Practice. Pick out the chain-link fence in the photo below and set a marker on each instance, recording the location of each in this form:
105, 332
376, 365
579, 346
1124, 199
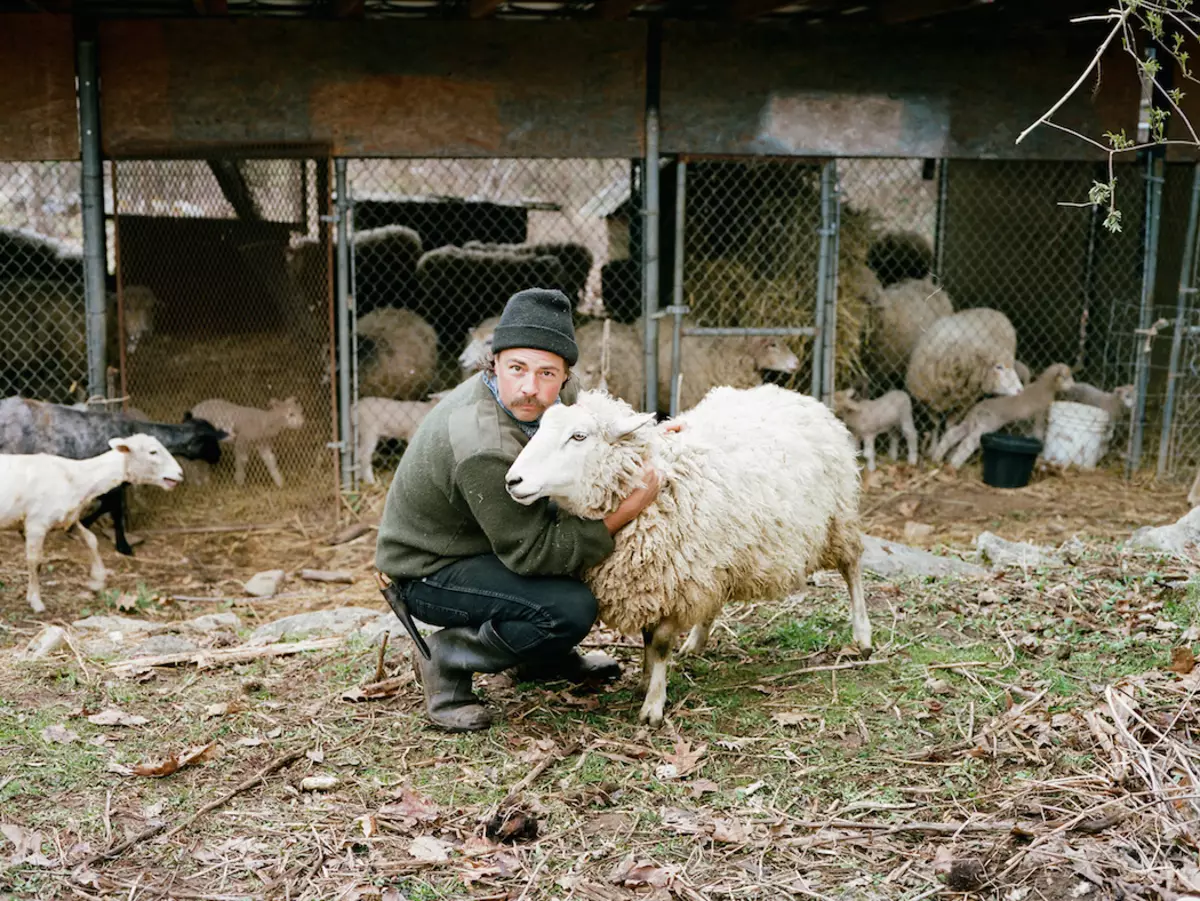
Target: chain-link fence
43, 341
223, 288
440, 245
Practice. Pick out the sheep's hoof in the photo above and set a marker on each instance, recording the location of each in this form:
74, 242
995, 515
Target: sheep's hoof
96, 585
37, 605
651, 716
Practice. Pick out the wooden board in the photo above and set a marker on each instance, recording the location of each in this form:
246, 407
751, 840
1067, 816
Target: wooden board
37, 88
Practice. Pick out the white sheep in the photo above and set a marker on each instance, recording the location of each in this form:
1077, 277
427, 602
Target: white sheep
610, 357
997, 412
478, 347
382, 417
251, 428
397, 354
41, 492
759, 489
889, 414
900, 315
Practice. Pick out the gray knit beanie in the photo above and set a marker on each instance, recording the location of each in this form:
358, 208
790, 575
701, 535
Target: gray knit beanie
539, 318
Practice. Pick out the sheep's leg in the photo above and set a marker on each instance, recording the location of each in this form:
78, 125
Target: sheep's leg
1193, 496
910, 437
366, 452
966, 447
951, 437
241, 454
894, 444
869, 451
35, 537
268, 457
697, 639
850, 566
99, 574
658, 654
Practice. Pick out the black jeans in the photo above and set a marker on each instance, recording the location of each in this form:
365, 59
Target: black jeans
531, 615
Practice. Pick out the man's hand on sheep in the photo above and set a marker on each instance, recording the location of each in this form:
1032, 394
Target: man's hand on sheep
637, 501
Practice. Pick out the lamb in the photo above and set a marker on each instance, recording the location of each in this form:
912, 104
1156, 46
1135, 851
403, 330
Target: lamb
962, 356
901, 314
479, 345
758, 489
251, 428
888, 414
41, 492
382, 417
34, 427
397, 354
996, 412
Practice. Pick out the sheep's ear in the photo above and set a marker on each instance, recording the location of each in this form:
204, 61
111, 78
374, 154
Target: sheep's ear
627, 425
119, 444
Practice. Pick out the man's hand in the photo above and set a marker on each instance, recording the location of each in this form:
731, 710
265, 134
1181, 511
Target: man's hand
674, 427
637, 501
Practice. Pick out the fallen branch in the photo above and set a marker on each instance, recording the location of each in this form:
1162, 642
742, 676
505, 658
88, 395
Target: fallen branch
327, 575
927, 828
541, 767
275, 765
351, 532
209, 658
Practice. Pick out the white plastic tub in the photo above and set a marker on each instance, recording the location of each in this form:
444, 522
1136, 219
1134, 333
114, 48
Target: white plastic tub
1075, 434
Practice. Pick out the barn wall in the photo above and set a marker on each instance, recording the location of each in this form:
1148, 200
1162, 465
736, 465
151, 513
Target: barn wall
896, 92
37, 88
397, 88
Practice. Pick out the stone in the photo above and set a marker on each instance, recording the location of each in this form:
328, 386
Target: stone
46, 642
1177, 538
212, 622
1001, 553
319, 624
265, 584
162, 644
388, 622
890, 558
118, 626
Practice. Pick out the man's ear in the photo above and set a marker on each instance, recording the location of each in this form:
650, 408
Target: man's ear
627, 425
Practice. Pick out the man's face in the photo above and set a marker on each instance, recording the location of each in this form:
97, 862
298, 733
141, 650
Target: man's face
529, 380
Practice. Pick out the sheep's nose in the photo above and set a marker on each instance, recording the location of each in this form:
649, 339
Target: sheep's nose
512, 481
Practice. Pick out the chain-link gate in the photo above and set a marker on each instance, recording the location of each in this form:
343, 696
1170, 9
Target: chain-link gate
223, 290
43, 336
437, 247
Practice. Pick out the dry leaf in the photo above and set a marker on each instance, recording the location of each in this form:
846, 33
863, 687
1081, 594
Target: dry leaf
730, 832
391, 893
316, 755
318, 783
989, 596
368, 824
249, 742
426, 847
917, 532
114, 717
684, 759
908, 508
411, 808
703, 786
187, 757
791, 717
29, 846
685, 822
215, 710
938, 686
643, 872
512, 826
943, 859
59, 734
1183, 661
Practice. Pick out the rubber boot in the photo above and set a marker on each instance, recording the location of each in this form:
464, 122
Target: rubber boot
572, 666
458, 653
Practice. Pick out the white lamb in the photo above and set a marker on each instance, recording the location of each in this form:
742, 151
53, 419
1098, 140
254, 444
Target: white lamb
759, 489
889, 414
382, 417
41, 492
251, 428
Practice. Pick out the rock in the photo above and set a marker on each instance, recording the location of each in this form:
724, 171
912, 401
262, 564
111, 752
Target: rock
917, 532
388, 622
46, 642
265, 584
1176, 538
318, 783
212, 622
890, 558
1001, 553
117, 627
162, 644
314, 625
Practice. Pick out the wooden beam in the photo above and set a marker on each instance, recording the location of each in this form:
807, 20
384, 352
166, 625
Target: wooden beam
481, 9
211, 7
347, 9
614, 10
752, 9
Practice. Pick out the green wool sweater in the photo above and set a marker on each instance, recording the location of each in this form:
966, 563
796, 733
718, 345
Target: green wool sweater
447, 500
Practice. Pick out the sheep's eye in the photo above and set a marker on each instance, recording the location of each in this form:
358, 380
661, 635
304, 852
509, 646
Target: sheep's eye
579, 436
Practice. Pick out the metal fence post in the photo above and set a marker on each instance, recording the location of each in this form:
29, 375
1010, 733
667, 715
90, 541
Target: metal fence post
678, 308
345, 301
1154, 185
1187, 281
831, 221
939, 226
650, 235
92, 198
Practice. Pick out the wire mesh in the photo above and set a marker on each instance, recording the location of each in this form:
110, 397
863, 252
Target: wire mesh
438, 248
223, 279
43, 339
982, 264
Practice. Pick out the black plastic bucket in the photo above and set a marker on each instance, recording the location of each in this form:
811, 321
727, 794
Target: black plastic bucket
1008, 459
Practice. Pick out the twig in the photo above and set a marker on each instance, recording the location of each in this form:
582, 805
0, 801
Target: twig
327, 575
275, 765
198, 530
537, 771
928, 828
854, 664
379, 670
208, 658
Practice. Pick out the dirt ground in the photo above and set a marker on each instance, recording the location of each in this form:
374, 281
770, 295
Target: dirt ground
1028, 736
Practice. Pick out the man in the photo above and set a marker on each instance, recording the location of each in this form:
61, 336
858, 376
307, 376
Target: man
501, 578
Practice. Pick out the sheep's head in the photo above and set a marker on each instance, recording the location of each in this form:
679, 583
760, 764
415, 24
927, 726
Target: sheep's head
1059, 375
844, 402
147, 462
772, 354
585, 456
1001, 380
204, 440
293, 415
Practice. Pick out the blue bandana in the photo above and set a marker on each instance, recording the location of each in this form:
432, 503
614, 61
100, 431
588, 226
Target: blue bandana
529, 428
